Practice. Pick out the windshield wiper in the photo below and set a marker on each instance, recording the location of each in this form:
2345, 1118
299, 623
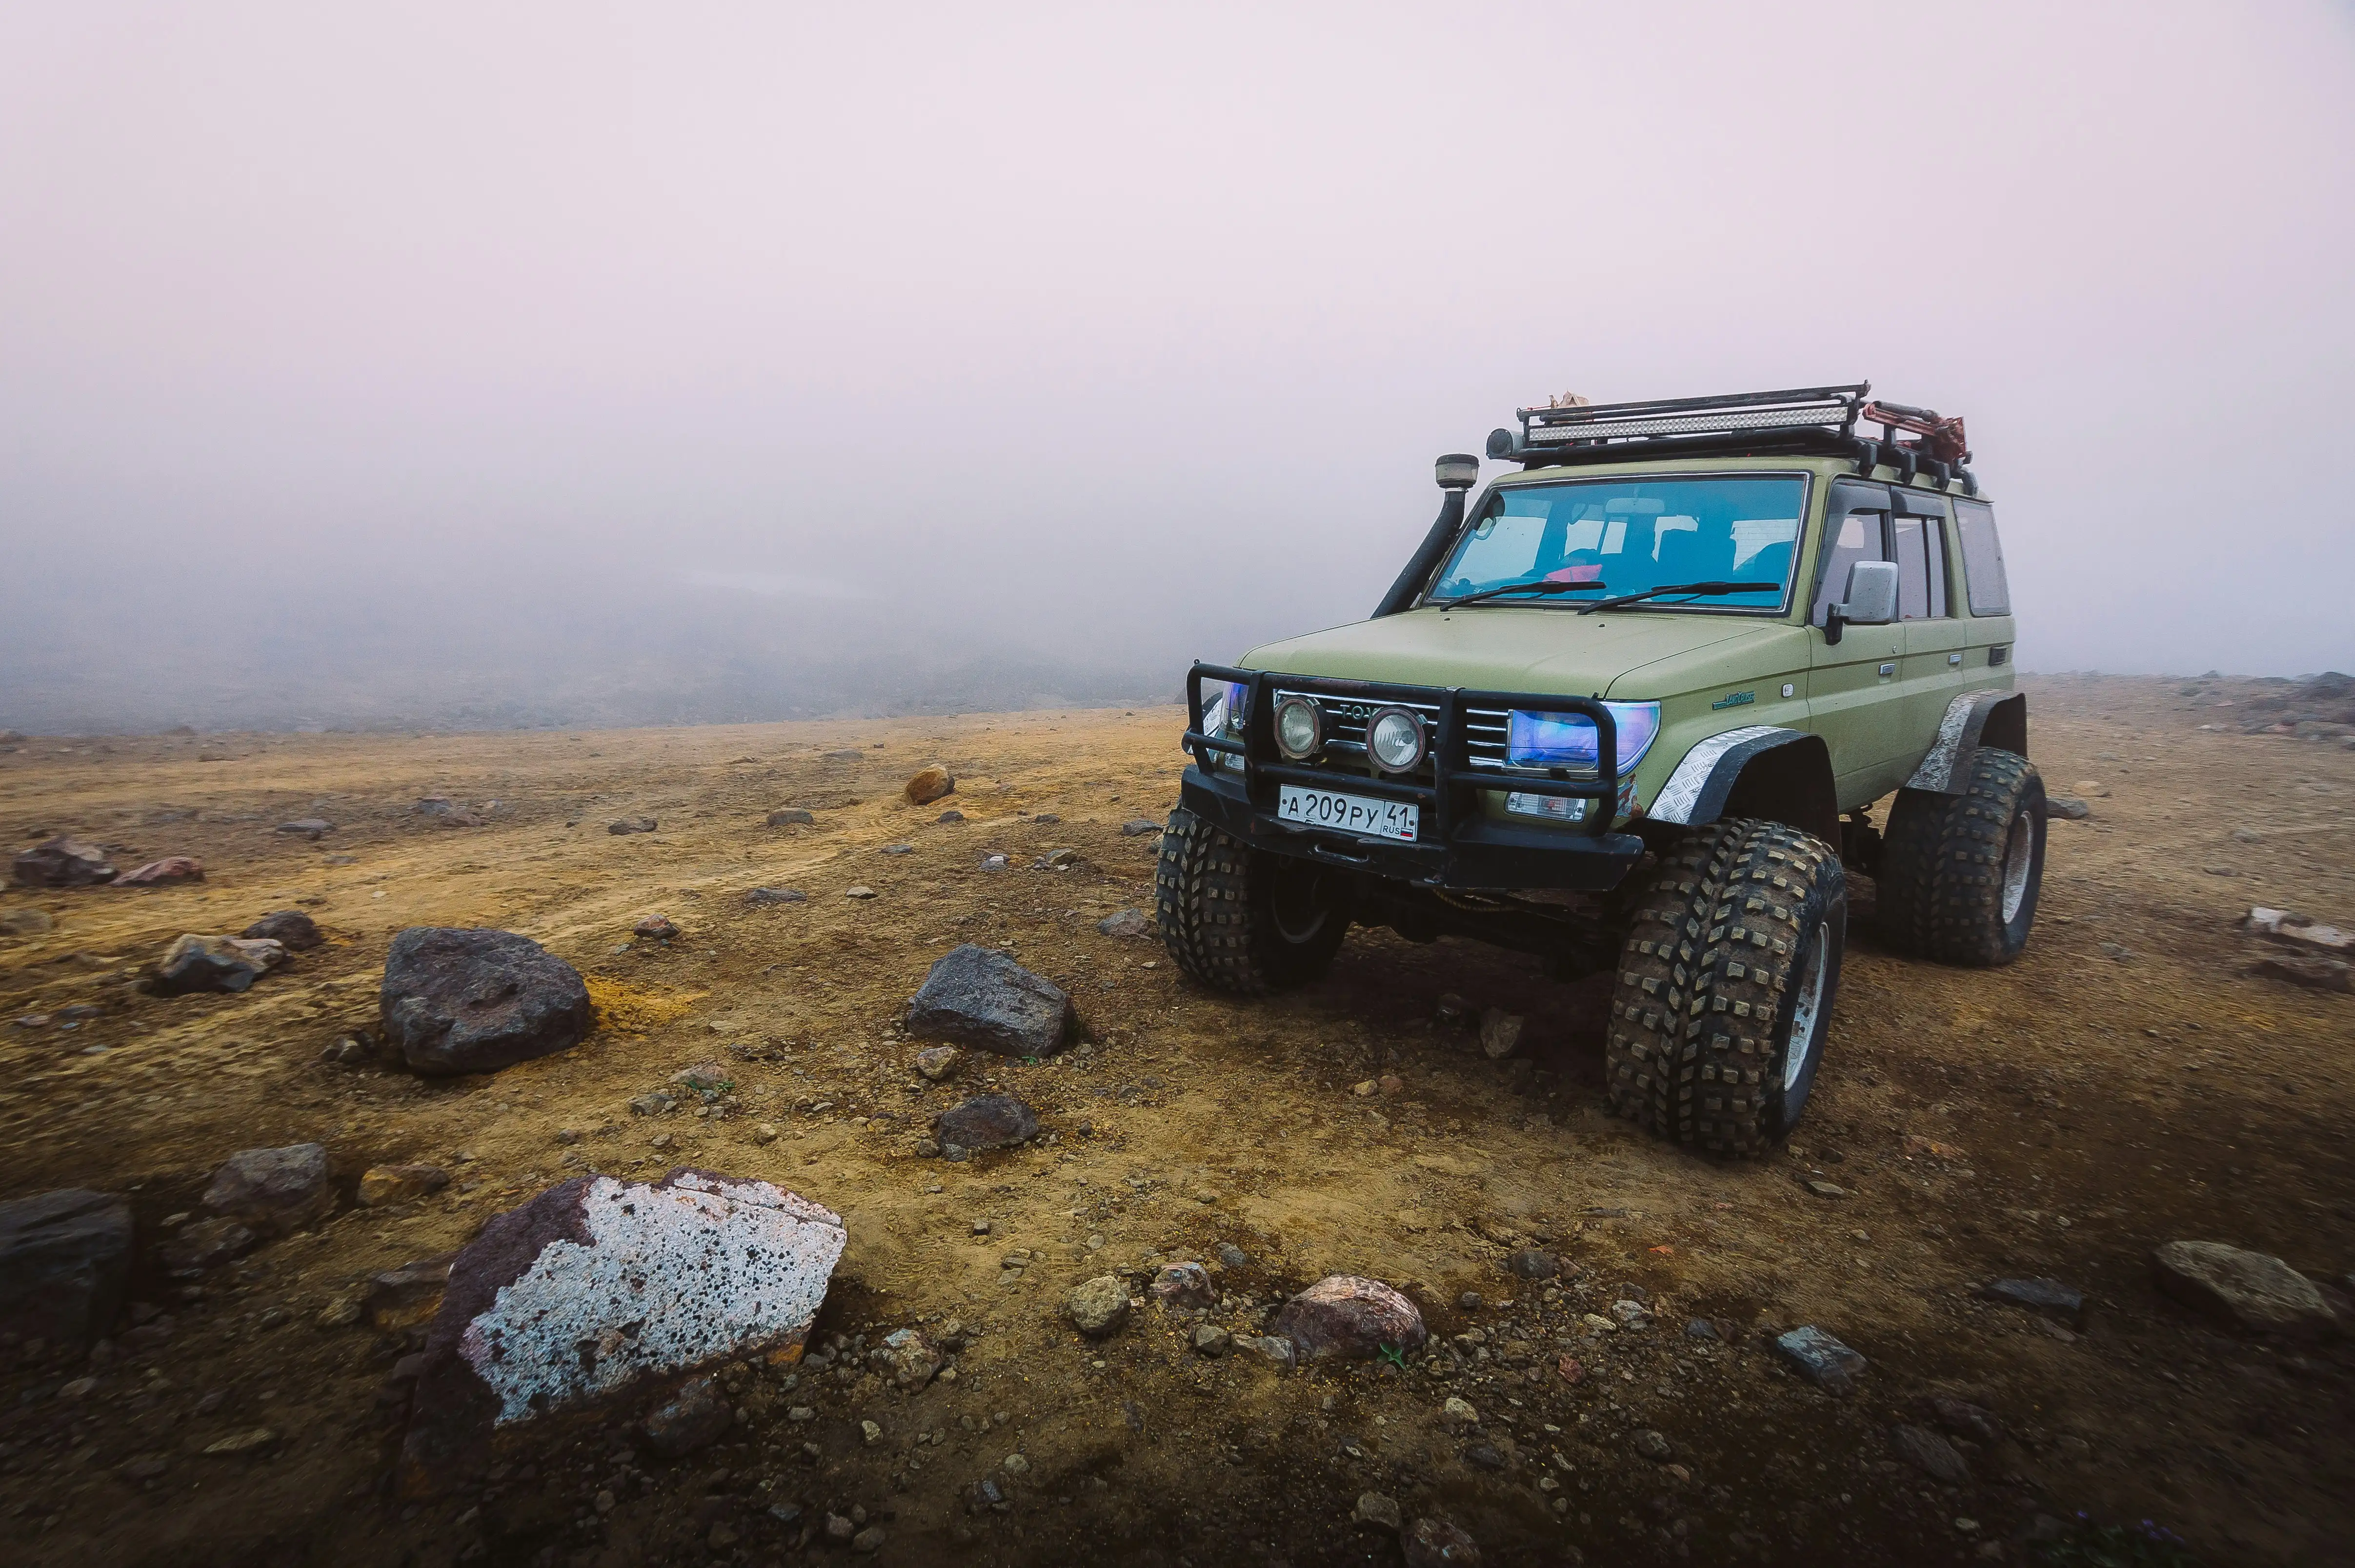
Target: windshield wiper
1696, 589
1541, 586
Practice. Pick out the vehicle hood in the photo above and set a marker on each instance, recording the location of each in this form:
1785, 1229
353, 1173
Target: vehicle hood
1556, 651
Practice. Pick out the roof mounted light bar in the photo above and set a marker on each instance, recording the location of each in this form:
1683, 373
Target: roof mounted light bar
1820, 420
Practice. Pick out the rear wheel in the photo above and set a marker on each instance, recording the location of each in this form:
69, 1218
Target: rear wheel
1960, 873
1726, 986
1241, 919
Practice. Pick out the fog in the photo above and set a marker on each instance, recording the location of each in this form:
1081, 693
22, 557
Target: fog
452, 364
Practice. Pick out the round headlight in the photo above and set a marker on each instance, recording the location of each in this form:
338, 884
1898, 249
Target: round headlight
1299, 728
1394, 737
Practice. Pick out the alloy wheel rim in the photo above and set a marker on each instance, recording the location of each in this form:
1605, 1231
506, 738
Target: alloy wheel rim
1806, 1012
2019, 852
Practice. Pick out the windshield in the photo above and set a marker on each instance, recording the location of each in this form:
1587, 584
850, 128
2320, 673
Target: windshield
1632, 535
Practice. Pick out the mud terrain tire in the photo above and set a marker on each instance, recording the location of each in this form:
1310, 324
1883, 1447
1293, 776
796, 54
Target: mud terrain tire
1960, 873
1726, 986
1239, 920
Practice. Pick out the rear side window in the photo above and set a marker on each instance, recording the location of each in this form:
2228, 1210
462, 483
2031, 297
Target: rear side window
1921, 568
1982, 558
1856, 537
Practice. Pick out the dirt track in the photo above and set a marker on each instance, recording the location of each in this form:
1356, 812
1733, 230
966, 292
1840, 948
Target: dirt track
2086, 1105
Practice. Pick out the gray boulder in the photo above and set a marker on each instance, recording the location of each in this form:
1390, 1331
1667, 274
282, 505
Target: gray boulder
290, 928
2250, 1290
195, 963
1343, 1318
986, 1121
65, 1260
474, 1001
273, 1190
64, 862
979, 997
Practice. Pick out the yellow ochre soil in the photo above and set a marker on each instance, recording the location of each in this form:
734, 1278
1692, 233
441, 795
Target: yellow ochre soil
2087, 1104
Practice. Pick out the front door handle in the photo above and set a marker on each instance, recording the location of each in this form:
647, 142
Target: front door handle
1954, 658
1889, 669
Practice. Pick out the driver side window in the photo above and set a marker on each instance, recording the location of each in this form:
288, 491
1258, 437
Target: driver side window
1860, 536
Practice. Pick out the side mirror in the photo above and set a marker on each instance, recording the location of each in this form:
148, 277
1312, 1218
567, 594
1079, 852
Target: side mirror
1871, 596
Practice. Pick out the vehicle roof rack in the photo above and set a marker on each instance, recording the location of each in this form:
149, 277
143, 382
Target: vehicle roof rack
1822, 420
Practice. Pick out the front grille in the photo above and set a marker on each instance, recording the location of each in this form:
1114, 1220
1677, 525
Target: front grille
1345, 737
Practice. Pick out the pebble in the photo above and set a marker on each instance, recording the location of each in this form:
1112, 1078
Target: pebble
1930, 1454
1654, 1446
995, 862
776, 896
631, 825
871, 1539
1820, 1358
939, 1061
1127, 922
2254, 1291
1438, 1544
861, 892
1099, 1306
1500, 1032
1821, 1188
792, 817
1015, 1465
1139, 828
2047, 1296
1459, 1413
1373, 1508
1631, 1315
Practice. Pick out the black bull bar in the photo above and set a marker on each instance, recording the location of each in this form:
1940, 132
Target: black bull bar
1465, 847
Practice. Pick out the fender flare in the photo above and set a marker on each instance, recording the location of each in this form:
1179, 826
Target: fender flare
1760, 770
1992, 718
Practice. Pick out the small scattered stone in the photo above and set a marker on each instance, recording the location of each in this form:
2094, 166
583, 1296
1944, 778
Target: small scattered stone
308, 826
930, 784
1438, 1544
996, 862
697, 1417
792, 817
2046, 1296
2321, 974
858, 892
195, 963
1127, 922
273, 1190
383, 1184
950, 815
838, 1528
1963, 1418
707, 1078
939, 1061
776, 896
631, 825
651, 1104
341, 1312
1486, 1455
655, 928
869, 1540
1375, 1509
1275, 1348
1701, 1328
1820, 1358
1139, 828
1231, 1255
1184, 1286
1457, 1415
1099, 1306
1930, 1454
1631, 1315
1210, 1339
899, 849
1500, 1032
1822, 1189
157, 873
2253, 1291
242, 1445
207, 1244
1057, 860
2068, 806
1654, 1446
290, 928
1530, 1262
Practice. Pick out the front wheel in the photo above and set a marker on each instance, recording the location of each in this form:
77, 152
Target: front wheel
1960, 873
1726, 984
1241, 919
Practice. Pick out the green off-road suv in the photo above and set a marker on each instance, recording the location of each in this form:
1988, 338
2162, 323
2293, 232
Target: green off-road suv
1629, 710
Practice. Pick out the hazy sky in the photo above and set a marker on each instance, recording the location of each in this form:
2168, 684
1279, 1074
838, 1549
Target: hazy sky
528, 346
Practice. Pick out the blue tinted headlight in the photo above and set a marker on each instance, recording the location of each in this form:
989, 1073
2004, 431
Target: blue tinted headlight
1567, 740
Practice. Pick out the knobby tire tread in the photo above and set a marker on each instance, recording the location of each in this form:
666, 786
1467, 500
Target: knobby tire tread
1941, 881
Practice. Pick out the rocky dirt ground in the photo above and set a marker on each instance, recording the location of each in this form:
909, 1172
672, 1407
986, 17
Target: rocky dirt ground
2126, 1083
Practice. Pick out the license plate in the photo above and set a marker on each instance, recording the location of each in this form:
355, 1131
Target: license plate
1357, 814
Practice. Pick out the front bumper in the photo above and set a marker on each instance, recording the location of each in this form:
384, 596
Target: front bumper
1461, 846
